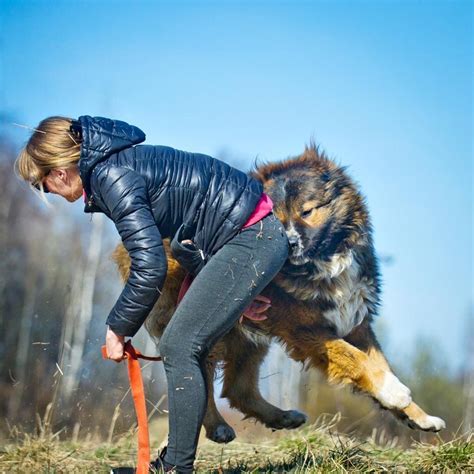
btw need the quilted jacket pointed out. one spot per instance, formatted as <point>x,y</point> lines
<point>156,192</point>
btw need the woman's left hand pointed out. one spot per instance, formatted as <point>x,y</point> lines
<point>115,346</point>
<point>256,308</point>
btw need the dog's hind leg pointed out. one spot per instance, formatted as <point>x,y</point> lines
<point>217,429</point>
<point>241,379</point>
<point>390,388</point>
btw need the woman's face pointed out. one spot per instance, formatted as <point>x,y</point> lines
<point>65,182</point>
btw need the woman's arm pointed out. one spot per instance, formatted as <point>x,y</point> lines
<point>123,193</point>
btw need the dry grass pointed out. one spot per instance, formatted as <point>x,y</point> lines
<point>316,448</point>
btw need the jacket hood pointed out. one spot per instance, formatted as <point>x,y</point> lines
<point>101,137</point>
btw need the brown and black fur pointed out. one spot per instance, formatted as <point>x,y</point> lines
<point>323,300</point>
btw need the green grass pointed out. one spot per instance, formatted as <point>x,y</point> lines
<point>316,448</point>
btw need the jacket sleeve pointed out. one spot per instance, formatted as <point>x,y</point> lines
<point>124,195</point>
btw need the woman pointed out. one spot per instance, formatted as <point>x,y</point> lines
<point>223,232</point>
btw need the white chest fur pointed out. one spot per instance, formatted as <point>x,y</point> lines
<point>337,280</point>
<point>348,291</point>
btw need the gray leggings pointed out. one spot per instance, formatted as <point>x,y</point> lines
<point>225,286</point>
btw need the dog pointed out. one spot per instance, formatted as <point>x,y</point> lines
<point>324,300</point>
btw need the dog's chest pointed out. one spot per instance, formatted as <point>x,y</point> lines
<point>348,292</point>
<point>337,290</point>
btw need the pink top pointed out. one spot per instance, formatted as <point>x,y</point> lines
<point>263,207</point>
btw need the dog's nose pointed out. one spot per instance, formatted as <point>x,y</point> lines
<point>293,241</point>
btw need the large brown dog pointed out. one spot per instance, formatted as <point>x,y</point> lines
<point>323,300</point>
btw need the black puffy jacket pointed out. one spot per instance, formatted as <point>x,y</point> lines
<point>155,192</point>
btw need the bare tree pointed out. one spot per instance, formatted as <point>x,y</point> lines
<point>80,311</point>
<point>468,416</point>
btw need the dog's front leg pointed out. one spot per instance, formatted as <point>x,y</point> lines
<point>370,373</point>
<point>343,363</point>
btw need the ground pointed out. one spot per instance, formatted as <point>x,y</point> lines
<point>315,448</point>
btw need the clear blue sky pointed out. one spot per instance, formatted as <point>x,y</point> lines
<point>385,87</point>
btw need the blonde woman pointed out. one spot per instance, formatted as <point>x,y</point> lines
<point>223,232</point>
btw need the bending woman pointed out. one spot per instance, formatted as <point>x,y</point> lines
<point>223,232</point>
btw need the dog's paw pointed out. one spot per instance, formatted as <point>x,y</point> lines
<point>427,423</point>
<point>434,424</point>
<point>289,420</point>
<point>222,434</point>
<point>393,393</point>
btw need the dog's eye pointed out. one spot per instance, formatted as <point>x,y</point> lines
<point>307,213</point>
<point>324,204</point>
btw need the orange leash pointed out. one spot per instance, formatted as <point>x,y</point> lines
<point>138,393</point>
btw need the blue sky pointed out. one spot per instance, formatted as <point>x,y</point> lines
<point>385,87</point>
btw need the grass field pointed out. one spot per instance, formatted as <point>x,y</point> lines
<point>316,448</point>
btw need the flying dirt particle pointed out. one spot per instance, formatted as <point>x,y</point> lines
<point>231,271</point>
<point>260,232</point>
<point>255,268</point>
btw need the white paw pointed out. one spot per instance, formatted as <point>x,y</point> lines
<point>432,423</point>
<point>393,393</point>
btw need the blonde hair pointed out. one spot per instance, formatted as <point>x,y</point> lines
<point>52,145</point>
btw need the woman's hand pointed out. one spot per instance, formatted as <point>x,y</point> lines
<point>255,309</point>
<point>115,346</point>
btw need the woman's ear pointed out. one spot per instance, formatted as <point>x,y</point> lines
<point>61,174</point>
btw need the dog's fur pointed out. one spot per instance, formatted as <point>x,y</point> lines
<point>323,300</point>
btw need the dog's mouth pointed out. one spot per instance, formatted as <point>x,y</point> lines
<point>296,255</point>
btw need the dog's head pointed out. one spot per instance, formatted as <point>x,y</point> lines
<point>317,202</point>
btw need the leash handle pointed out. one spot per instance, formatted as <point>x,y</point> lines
<point>131,352</point>
<point>138,393</point>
